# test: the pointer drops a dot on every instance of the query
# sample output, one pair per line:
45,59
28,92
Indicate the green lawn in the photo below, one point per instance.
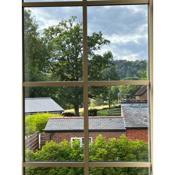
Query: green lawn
109,112
102,110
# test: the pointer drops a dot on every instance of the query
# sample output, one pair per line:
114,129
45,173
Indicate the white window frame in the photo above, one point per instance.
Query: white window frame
80,139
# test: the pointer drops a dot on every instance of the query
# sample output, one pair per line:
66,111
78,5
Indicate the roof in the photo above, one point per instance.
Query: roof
136,115
41,104
142,90
77,123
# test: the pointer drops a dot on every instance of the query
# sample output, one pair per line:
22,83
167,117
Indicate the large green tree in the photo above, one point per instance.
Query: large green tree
35,52
35,57
64,42
57,55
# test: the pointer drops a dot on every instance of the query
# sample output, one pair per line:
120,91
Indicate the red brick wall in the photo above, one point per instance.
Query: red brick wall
60,136
137,134
132,134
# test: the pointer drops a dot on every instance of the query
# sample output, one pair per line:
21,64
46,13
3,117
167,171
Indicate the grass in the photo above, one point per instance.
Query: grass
109,112
102,110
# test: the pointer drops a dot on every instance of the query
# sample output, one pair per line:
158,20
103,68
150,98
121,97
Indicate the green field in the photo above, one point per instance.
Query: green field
109,112
102,110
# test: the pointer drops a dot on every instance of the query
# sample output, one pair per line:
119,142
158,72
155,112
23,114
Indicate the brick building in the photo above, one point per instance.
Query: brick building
136,117
133,123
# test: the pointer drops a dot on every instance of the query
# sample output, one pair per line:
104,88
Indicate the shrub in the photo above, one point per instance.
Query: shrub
101,149
37,122
92,112
68,114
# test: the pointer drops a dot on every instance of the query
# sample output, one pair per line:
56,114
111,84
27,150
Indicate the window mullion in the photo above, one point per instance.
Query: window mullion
85,91
150,71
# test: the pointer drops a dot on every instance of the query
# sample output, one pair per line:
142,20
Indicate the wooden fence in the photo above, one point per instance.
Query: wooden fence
32,141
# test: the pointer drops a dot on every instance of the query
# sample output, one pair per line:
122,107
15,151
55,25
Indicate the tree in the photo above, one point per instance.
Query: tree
127,92
113,95
35,52
64,42
35,57
131,70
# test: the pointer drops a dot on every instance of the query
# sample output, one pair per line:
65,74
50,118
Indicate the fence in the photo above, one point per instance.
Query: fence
32,142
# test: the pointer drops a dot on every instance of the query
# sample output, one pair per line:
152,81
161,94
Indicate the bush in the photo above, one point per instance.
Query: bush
101,149
112,107
37,122
92,112
114,111
68,114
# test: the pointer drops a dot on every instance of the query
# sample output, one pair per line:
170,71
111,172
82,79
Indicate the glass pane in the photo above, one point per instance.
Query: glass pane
54,171
120,171
53,44
53,116
118,42
119,123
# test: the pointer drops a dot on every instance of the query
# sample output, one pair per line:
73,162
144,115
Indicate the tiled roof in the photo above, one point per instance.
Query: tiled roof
42,104
135,115
77,123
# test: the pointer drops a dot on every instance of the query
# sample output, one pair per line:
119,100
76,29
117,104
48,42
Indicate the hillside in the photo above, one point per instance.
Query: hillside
131,69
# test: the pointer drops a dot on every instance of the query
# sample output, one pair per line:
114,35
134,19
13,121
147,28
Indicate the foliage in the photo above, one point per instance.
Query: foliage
64,42
35,52
127,91
66,114
131,69
101,149
57,54
37,122
92,112
113,111
62,55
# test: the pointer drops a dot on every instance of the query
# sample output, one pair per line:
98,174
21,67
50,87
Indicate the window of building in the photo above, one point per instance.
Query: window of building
87,77
80,140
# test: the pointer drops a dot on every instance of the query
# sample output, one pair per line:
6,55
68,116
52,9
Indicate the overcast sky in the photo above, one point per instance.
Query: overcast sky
124,26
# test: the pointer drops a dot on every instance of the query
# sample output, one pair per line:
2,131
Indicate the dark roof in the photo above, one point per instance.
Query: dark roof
142,90
133,116
77,123
41,104
136,115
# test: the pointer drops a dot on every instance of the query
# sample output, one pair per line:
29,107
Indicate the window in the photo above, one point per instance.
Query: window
87,87
80,140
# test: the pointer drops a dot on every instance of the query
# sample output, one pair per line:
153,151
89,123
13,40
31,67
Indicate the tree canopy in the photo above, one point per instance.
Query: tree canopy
56,54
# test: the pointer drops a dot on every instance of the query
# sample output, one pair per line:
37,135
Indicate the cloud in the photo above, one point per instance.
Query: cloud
116,19
48,16
122,39
125,26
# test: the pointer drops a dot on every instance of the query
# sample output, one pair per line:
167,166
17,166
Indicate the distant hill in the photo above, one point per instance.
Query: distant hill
130,69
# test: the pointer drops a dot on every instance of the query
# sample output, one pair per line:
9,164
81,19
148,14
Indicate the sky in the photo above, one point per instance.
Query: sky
125,26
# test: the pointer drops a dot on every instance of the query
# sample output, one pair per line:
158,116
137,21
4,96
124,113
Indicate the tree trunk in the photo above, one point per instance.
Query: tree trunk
109,103
76,109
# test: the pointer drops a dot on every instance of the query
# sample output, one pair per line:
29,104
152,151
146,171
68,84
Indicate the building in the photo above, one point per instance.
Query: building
133,123
71,128
136,116
42,104
141,94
